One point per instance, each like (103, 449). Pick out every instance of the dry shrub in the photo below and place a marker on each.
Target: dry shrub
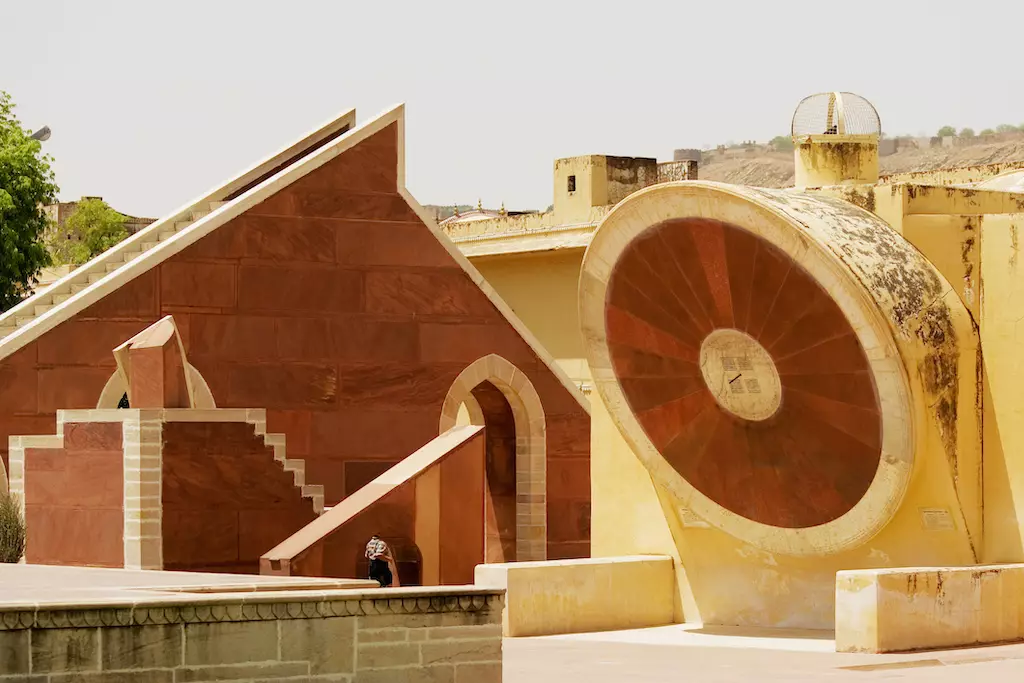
(12, 529)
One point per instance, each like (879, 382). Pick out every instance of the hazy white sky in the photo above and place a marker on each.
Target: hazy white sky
(152, 103)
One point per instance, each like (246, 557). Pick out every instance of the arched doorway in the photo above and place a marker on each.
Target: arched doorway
(494, 393)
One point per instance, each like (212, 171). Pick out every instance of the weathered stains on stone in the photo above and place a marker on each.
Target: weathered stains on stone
(1014, 248)
(901, 280)
(966, 247)
(840, 155)
(864, 198)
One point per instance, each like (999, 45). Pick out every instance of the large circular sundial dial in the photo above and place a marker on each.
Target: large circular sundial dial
(745, 367)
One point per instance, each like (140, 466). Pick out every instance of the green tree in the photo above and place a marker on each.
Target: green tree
(93, 228)
(987, 131)
(26, 186)
(967, 133)
(782, 143)
(947, 131)
(12, 529)
(1006, 128)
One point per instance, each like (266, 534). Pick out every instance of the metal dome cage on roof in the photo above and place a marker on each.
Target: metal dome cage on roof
(835, 113)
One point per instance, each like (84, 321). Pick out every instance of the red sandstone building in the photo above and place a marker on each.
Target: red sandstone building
(312, 287)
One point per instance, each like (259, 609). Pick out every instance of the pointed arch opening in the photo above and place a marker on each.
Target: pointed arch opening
(494, 393)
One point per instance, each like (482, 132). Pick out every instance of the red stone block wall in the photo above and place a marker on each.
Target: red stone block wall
(225, 500)
(74, 498)
(333, 306)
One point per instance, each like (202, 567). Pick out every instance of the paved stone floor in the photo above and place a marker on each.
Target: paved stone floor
(677, 653)
(40, 584)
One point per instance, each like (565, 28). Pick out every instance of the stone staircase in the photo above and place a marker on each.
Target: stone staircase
(297, 466)
(101, 266)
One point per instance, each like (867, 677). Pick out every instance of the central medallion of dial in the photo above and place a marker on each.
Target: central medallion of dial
(740, 374)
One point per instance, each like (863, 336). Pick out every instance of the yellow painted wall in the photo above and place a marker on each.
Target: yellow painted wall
(541, 289)
(1002, 337)
(953, 245)
(591, 187)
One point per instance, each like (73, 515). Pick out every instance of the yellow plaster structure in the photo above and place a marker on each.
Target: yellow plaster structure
(948, 494)
(897, 610)
(574, 596)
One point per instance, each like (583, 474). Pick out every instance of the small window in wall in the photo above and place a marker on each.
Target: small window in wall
(572, 183)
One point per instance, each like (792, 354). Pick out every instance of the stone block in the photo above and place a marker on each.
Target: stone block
(387, 655)
(328, 644)
(57, 650)
(579, 596)
(229, 643)
(14, 652)
(142, 647)
(486, 672)
(137, 299)
(197, 285)
(299, 288)
(136, 676)
(390, 244)
(443, 292)
(387, 635)
(285, 386)
(898, 610)
(266, 671)
(473, 632)
(444, 673)
(454, 651)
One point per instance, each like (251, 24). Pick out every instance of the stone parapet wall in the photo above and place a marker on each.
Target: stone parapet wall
(923, 608)
(362, 636)
(582, 596)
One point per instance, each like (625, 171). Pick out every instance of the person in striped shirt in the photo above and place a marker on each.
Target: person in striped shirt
(381, 561)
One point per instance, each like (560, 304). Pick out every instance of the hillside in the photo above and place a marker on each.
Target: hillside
(775, 169)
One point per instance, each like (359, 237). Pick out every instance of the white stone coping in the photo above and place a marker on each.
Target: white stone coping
(135, 610)
(578, 562)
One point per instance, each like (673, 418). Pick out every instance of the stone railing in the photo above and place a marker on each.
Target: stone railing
(380, 635)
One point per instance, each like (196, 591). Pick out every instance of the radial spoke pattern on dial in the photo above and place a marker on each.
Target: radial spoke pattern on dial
(815, 458)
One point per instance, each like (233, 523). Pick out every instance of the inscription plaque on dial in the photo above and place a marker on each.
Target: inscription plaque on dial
(740, 374)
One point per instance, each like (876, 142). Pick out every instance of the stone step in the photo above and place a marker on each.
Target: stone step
(42, 308)
(111, 267)
(216, 205)
(298, 469)
(165, 235)
(4, 331)
(96, 277)
(23, 320)
(196, 214)
(61, 298)
(181, 225)
(146, 246)
(78, 287)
